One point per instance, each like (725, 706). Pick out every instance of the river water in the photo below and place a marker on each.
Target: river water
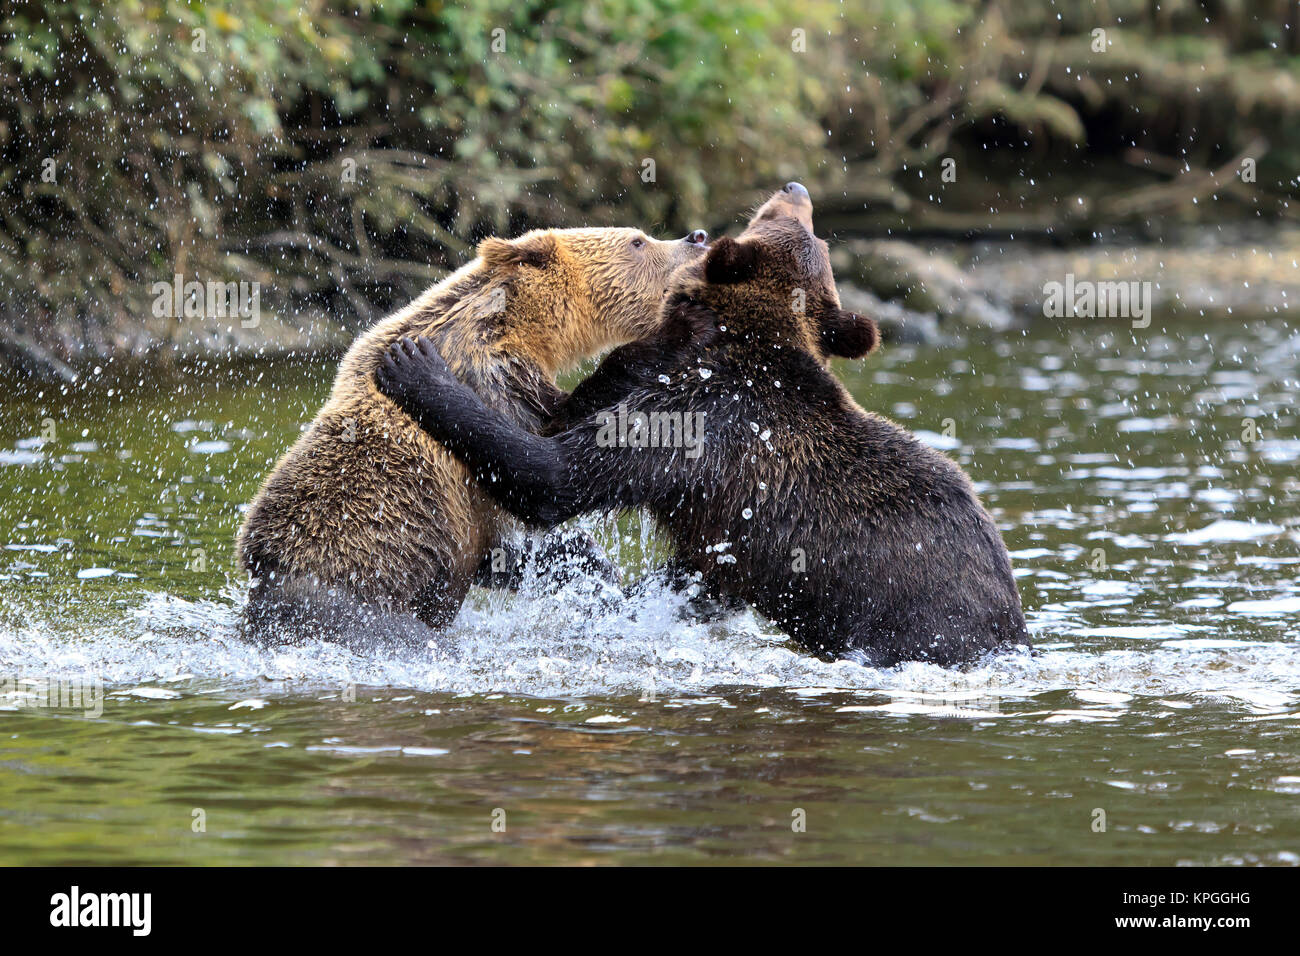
(1145, 482)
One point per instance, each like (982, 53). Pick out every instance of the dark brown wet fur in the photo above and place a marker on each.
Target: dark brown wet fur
(838, 525)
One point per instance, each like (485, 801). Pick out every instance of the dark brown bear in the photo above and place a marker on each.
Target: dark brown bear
(367, 528)
(836, 524)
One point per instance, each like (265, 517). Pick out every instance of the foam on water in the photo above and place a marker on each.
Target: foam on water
(570, 646)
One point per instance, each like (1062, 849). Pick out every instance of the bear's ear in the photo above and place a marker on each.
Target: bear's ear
(848, 334)
(538, 250)
(729, 261)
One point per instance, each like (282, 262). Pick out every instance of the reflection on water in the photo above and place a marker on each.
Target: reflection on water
(1145, 481)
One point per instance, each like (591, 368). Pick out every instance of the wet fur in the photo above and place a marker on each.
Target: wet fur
(367, 516)
(902, 562)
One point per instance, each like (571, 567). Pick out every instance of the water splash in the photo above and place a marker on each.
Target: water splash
(573, 646)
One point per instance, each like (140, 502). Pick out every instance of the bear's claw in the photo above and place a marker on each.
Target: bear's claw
(409, 364)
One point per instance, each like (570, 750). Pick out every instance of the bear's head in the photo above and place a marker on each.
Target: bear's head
(581, 291)
(774, 284)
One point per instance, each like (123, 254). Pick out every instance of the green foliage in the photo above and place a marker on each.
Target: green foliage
(209, 139)
(344, 154)
(1026, 110)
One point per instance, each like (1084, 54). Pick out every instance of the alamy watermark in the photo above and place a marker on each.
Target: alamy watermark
(973, 702)
(653, 430)
(75, 908)
(1087, 298)
(208, 300)
(55, 693)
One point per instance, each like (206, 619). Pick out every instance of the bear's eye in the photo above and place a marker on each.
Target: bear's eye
(638, 242)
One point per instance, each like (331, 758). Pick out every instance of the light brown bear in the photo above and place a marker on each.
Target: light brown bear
(367, 529)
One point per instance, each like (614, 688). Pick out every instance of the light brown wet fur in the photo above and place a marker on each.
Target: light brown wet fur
(366, 508)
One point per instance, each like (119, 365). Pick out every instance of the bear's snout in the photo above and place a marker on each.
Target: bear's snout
(790, 201)
(697, 238)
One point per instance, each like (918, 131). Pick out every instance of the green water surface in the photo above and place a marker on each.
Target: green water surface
(1145, 481)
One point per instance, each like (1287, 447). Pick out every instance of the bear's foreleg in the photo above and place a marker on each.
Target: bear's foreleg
(543, 481)
(529, 476)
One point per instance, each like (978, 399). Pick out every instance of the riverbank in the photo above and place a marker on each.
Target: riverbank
(920, 292)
